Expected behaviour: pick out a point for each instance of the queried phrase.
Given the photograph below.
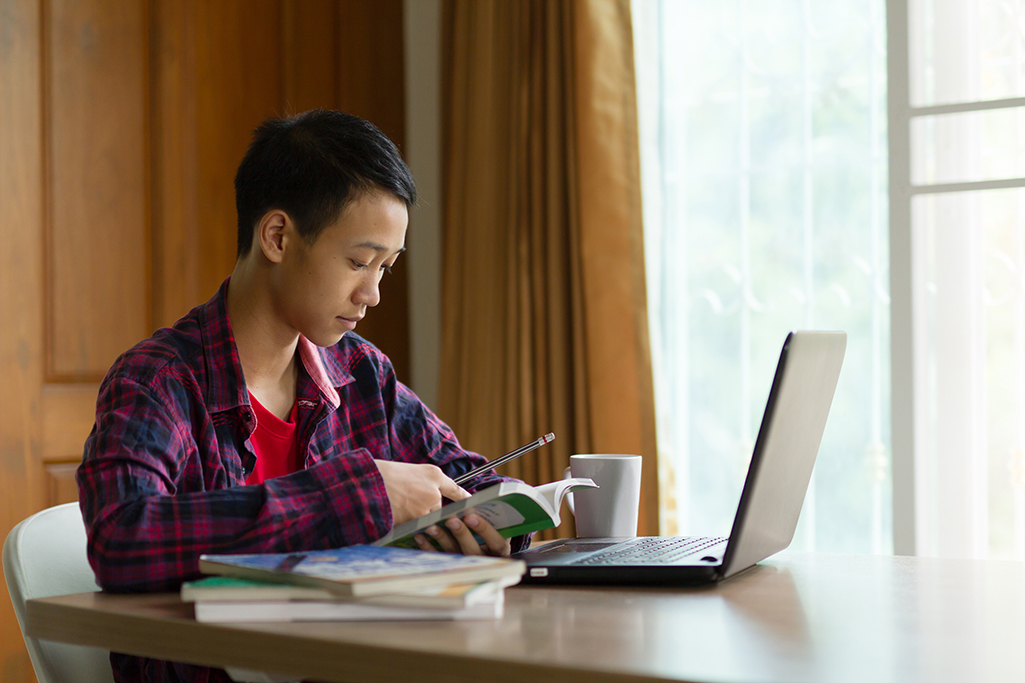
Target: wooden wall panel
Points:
(371, 59)
(98, 251)
(61, 486)
(21, 302)
(238, 85)
(310, 55)
(173, 124)
(68, 414)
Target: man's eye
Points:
(386, 268)
(358, 265)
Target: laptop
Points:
(777, 480)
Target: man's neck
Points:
(266, 347)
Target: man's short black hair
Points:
(311, 166)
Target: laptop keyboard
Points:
(656, 550)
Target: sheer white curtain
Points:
(764, 162)
(767, 207)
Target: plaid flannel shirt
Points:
(162, 478)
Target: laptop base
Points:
(625, 561)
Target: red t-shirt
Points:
(275, 444)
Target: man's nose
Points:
(368, 293)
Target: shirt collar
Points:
(326, 376)
(226, 388)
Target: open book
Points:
(512, 507)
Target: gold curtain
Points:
(544, 313)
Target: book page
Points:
(500, 514)
(553, 492)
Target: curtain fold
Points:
(544, 316)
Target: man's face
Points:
(325, 288)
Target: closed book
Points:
(342, 610)
(223, 589)
(363, 570)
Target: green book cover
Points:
(513, 508)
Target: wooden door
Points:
(121, 125)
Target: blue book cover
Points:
(363, 569)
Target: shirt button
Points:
(248, 417)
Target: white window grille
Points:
(957, 151)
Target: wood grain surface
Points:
(798, 617)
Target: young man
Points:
(260, 422)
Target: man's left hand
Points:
(457, 536)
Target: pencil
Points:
(547, 438)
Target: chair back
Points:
(45, 555)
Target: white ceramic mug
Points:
(610, 510)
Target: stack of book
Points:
(354, 583)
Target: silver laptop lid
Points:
(788, 441)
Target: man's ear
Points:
(273, 234)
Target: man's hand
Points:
(414, 490)
(457, 536)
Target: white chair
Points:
(45, 555)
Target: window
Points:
(958, 143)
(769, 131)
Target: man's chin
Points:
(327, 340)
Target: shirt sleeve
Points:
(418, 435)
(146, 535)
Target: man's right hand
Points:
(415, 489)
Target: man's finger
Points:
(424, 543)
(467, 543)
(443, 539)
(452, 490)
(493, 540)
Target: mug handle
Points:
(569, 494)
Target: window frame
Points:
(910, 373)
